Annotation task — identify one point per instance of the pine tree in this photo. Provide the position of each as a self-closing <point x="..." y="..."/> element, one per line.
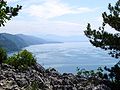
<point x="7" y="12"/>
<point x="109" y="41"/>
<point x="103" y="39"/>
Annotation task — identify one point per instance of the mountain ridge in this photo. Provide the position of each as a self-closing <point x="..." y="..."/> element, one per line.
<point x="16" y="42"/>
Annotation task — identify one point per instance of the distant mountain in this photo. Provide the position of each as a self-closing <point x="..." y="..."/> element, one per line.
<point x="75" y="38"/>
<point x="31" y="40"/>
<point x="16" y="42"/>
<point x="11" y="42"/>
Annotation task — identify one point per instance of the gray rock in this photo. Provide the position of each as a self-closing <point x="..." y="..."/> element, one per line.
<point x="2" y="77"/>
<point x="22" y="82"/>
<point x="6" y="67"/>
<point x="101" y="87"/>
<point x="39" y="68"/>
<point x="50" y="79"/>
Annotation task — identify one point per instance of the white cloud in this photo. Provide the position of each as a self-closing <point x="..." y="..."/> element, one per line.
<point x="43" y="27"/>
<point x="40" y="23"/>
<point x="54" y="8"/>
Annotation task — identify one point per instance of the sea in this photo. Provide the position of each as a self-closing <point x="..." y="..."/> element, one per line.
<point x="68" y="56"/>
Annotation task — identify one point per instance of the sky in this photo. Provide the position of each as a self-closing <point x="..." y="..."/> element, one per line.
<point x="56" y="17"/>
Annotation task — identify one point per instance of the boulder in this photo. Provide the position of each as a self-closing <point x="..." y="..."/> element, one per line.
<point x="39" y="68"/>
<point x="22" y="82"/>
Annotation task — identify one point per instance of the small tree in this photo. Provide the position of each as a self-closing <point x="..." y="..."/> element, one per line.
<point x="22" y="60"/>
<point x="109" y="41"/>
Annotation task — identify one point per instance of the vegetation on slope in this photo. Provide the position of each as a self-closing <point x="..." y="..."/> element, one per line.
<point x="11" y="42"/>
<point x="17" y="42"/>
<point x="22" y="60"/>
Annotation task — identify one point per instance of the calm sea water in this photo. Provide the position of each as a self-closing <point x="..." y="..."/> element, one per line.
<point x="66" y="57"/>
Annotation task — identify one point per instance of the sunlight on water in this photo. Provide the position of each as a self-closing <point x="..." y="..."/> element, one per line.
<point x="66" y="57"/>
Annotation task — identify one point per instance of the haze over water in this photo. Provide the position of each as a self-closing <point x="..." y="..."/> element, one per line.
<point x="66" y="57"/>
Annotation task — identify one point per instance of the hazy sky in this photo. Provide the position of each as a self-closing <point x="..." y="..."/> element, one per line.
<point x="59" y="17"/>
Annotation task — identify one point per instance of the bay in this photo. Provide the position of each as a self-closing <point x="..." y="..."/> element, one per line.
<point x="66" y="57"/>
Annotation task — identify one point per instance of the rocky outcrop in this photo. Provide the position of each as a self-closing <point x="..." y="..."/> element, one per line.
<point x="14" y="79"/>
<point x="45" y="79"/>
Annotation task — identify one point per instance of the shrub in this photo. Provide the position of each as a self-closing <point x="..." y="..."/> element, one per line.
<point x="90" y="73"/>
<point x="3" y="55"/>
<point x="22" y="60"/>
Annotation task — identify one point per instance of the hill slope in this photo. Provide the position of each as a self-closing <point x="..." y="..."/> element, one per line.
<point x="31" y="40"/>
<point x="11" y="42"/>
<point x="16" y="42"/>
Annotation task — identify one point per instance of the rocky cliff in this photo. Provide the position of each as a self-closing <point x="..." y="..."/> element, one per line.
<point x="39" y="78"/>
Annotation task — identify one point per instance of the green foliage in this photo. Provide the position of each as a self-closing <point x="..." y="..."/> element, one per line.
<point x="8" y="45"/>
<point x="113" y="19"/>
<point x="3" y="55"/>
<point x="10" y="42"/>
<point x="114" y="76"/>
<point x="22" y="60"/>
<point x="90" y="73"/>
<point x="95" y="77"/>
<point x="103" y="39"/>
<point x="109" y="41"/>
<point x="7" y="12"/>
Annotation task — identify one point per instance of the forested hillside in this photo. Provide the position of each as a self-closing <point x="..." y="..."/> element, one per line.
<point x="16" y="42"/>
<point x="11" y="42"/>
<point x="31" y="40"/>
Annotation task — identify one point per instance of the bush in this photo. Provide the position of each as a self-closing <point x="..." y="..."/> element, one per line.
<point x="3" y="55"/>
<point x="22" y="60"/>
<point x="91" y="73"/>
